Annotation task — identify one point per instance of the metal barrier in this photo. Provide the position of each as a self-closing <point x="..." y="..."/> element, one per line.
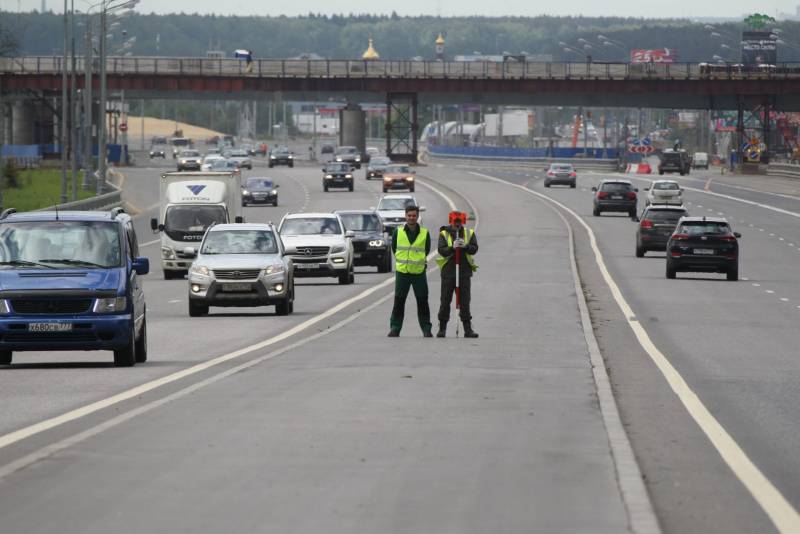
<point x="786" y="170"/>
<point x="102" y="202"/>
<point x="605" y="165"/>
<point x="288" y="68"/>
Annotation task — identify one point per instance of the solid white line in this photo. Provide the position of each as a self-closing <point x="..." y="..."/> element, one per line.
<point x="780" y="511"/>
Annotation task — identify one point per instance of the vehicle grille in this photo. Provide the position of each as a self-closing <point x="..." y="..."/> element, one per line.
<point x="66" y="306"/>
<point x="312" y="251"/>
<point x="37" y="337"/>
<point x="236" y="274"/>
<point x="359" y="246"/>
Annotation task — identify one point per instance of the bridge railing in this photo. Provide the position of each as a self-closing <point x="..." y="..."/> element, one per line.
<point x="283" y="68"/>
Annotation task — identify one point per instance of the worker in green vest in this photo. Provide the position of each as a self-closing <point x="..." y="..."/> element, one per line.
<point x="455" y="237"/>
<point x="411" y="245"/>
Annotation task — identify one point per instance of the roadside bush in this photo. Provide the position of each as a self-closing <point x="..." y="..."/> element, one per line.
<point x="10" y="174"/>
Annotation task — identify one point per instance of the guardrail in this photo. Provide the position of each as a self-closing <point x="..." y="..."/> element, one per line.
<point x="607" y="165"/>
<point x="786" y="170"/>
<point x="290" y="68"/>
<point x="105" y="201"/>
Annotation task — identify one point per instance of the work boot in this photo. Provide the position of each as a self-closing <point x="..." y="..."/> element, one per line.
<point x="394" y="333"/>
<point x="427" y="333"/>
<point x="468" y="331"/>
<point x="442" y="329"/>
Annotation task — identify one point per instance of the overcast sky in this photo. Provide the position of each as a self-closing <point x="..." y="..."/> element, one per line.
<point x="672" y="8"/>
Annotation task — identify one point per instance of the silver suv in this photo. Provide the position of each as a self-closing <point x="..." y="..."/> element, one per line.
<point x="319" y="246"/>
<point x="241" y="265"/>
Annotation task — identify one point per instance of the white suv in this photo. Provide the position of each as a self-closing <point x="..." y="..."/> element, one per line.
<point x="392" y="210"/>
<point x="319" y="246"/>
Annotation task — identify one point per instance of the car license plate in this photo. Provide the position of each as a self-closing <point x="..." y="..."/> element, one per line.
<point x="50" y="327"/>
<point x="706" y="251"/>
<point x="616" y="197"/>
<point x="236" y="287"/>
<point x="357" y="255"/>
<point x="306" y="266"/>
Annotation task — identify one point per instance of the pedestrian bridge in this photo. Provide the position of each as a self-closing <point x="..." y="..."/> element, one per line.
<point x="666" y="85"/>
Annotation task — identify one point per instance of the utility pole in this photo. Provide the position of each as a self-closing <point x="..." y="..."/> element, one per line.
<point x="88" y="105"/>
<point x="73" y="108"/>
<point x="64" y="108"/>
<point x="101" y="143"/>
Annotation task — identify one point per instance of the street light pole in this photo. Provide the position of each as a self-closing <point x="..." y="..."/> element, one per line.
<point x="64" y="108"/>
<point x="73" y="106"/>
<point x="101" y="143"/>
<point x="88" y="165"/>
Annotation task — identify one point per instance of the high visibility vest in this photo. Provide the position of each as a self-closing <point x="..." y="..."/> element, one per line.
<point x="441" y="261"/>
<point x="410" y="257"/>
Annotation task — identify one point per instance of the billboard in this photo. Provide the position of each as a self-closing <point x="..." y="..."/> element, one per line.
<point x="659" y="55"/>
<point x="759" y="48"/>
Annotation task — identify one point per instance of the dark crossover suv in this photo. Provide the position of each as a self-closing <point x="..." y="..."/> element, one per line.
<point x="348" y="154"/>
<point x="674" y="161"/>
<point x="377" y="166"/>
<point x="259" y="191"/>
<point x="561" y="174"/>
<point x="656" y="225"/>
<point x="615" y="195"/>
<point x="337" y="175"/>
<point x="281" y="156"/>
<point x="703" y="244"/>
<point x="370" y="244"/>
<point x="70" y="281"/>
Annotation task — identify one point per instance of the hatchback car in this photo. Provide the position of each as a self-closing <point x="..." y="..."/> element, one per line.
<point x="241" y="264"/>
<point x="399" y="177"/>
<point x="370" y="245"/>
<point x="664" y="192"/>
<point x="561" y="174"/>
<point x="259" y="191"/>
<point x="158" y="151"/>
<point x="70" y="280"/>
<point x="615" y="195"/>
<point x="656" y="224"/>
<point x="703" y="244"/>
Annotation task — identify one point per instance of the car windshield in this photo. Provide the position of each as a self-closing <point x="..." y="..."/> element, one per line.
<point x="190" y="154"/>
<point x="666" y="186"/>
<point x="561" y="168"/>
<point x="346" y="150"/>
<point x="616" y="187"/>
<point x="180" y="142"/>
<point x="240" y="242"/>
<point x="672" y="158"/>
<point x="361" y="222"/>
<point x="704" y="228"/>
<point x="212" y="158"/>
<point x="664" y="216"/>
<point x="337" y="167"/>
<point x="281" y="150"/>
<point x="61" y="244"/>
<point x="238" y="154"/>
<point x="259" y="183"/>
<point x="222" y="165"/>
<point x="382" y="160"/>
<point x="193" y="218"/>
<point x="395" y="203"/>
<point x="399" y="169"/>
<point x="310" y="226"/>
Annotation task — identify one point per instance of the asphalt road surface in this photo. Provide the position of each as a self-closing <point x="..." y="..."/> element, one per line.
<point x="316" y="422"/>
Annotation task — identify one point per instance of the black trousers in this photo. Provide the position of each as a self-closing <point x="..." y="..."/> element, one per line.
<point x="448" y="289"/>
<point x="402" y="285"/>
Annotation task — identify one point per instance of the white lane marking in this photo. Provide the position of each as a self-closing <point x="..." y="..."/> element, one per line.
<point x="750" y="225"/>
<point x="780" y="511"/>
<point x="784" y="299"/>
<point x="699" y="205"/>
<point x="781" y="239"/>
<point x="36" y="428"/>
<point x="756" y="285"/>
<point x="153" y="242"/>
<point x="770" y="291"/>
<point x="760" y="229"/>
<point x="772" y="235"/>
<point x="173" y="301"/>
<point x="745" y="278"/>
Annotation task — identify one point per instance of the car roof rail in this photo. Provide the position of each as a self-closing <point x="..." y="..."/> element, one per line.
<point x="7" y="212"/>
<point x="116" y="211"/>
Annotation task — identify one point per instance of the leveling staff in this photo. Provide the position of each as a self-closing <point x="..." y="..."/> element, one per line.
<point x="457" y="246"/>
<point x="411" y="245"/>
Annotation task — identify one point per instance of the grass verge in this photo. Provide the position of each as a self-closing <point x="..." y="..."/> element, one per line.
<point x="40" y="188"/>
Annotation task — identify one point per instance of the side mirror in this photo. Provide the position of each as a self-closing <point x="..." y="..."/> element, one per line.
<point x="647" y="189"/>
<point x="372" y="208"/>
<point x="154" y="225"/>
<point x="349" y="234"/>
<point x="737" y="235"/>
<point x="238" y="219"/>
<point x="277" y="186"/>
<point x="141" y="265"/>
<point x="636" y="189"/>
<point x="594" y="189"/>
<point x="190" y="252"/>
<point x="422" y="208"/>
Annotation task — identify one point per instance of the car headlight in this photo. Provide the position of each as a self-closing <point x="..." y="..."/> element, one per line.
<point x="338" y="158"/>
<point x="272" y="157"/>
<point x="358" y="158"/>
<point x="167" y="253"/>
<point x="328" y="176"/>
<point x="291" y="157"/>
<point x="201" y="270"/>
<point x="337" y="249"/>
<point x="274" y="192"/>
<point x="184" y="161"/>
<point x="348" y="175"/>
<point x="110" y="305"/>
<point x="376" y="243"/>
<point x="274" y="269"/>
<point x="409" y="178"/>
<point x="5" y="309"/>
<point x="245" y="192"/>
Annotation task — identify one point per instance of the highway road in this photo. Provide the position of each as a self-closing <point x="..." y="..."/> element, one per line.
<point x="249" y="422"/>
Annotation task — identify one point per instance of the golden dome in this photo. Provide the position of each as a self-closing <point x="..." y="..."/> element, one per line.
<point x="440" y="40"/>
<point x="370" y="53"/>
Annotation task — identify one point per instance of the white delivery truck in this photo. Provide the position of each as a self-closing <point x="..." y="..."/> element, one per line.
<point x="190" y="202"/>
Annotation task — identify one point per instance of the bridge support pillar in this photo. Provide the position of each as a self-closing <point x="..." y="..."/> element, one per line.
<point x="23" y="131"/>
<point x="401" y="127"/>
<point x="352" y="131"/>
<point x="739" y="133"/>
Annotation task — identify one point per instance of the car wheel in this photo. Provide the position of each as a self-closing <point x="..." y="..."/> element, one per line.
<point x="661" y="173"/>
<point x="6" y="357"/>
<point x="270" y="165"/>
<point x="244" y="204"/>
<point x="385" y="190"/>
<point x="573" y="185"/>
<point x="632" y="213"/>
<point x="670" y="271"/>
<point x="325" y="188"/>
<point x="141" y="344"/>
<point x="170" y="275"/>
<point x="596" y="212"/>
<point x="126" y="356"/>
<point x="547" y="184"/>
<point x="386" y="266"/>
<point x="683" y="173"/>
<point x="350" y="188"/>
<point x="275" y="203"/>
<point x="410" y="189"/>
<point x="291" y="165"/>
<point x="639" y="251"/>
<point x="344" y="279"/>
<point x="733" y="273"/>
<point x="197" y="310"/>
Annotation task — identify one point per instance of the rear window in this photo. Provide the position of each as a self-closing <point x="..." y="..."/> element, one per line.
<point x="672" y="158"/>
<point x="664" y="216"/>
<point x="666" y="186"/>
<point x="704" y="228"/>
<point x="616" y="187"/>
<point x="561" y="168"/>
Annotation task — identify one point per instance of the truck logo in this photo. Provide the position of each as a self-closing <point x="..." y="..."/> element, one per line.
<point x="195" y="189"/>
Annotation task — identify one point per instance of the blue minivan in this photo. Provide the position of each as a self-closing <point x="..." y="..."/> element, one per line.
<point x="70" y="281"/>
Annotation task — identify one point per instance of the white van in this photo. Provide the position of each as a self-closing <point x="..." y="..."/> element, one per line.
<point x="700" y="159"/>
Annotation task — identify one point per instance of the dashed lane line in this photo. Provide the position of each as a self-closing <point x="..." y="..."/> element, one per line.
<point x="780" y="511"/>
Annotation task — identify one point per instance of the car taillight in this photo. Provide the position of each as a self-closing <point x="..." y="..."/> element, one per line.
<point x="727" y="238"/>
<point x="572" y="175"/>
<point x="680" y="237"/>
<point x="631" y="195"/>
<point x="602" y="194"/>
<point x="550" y="173"/>
<point x="647" y="223"/>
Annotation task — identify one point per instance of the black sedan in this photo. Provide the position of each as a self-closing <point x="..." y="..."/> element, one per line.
<point x="370" y="244"/>
<point x="158" y="151"/>
<point x="703" y="244"/>
<point x="281" y="156"/>
<point x="260" y="191"/>
<point x="377" y="166"/>
<point x="656" y="225"/>
<point x="337" y="175"/>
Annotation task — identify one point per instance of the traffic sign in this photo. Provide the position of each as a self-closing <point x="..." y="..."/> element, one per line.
<point x="123" y="127"/>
